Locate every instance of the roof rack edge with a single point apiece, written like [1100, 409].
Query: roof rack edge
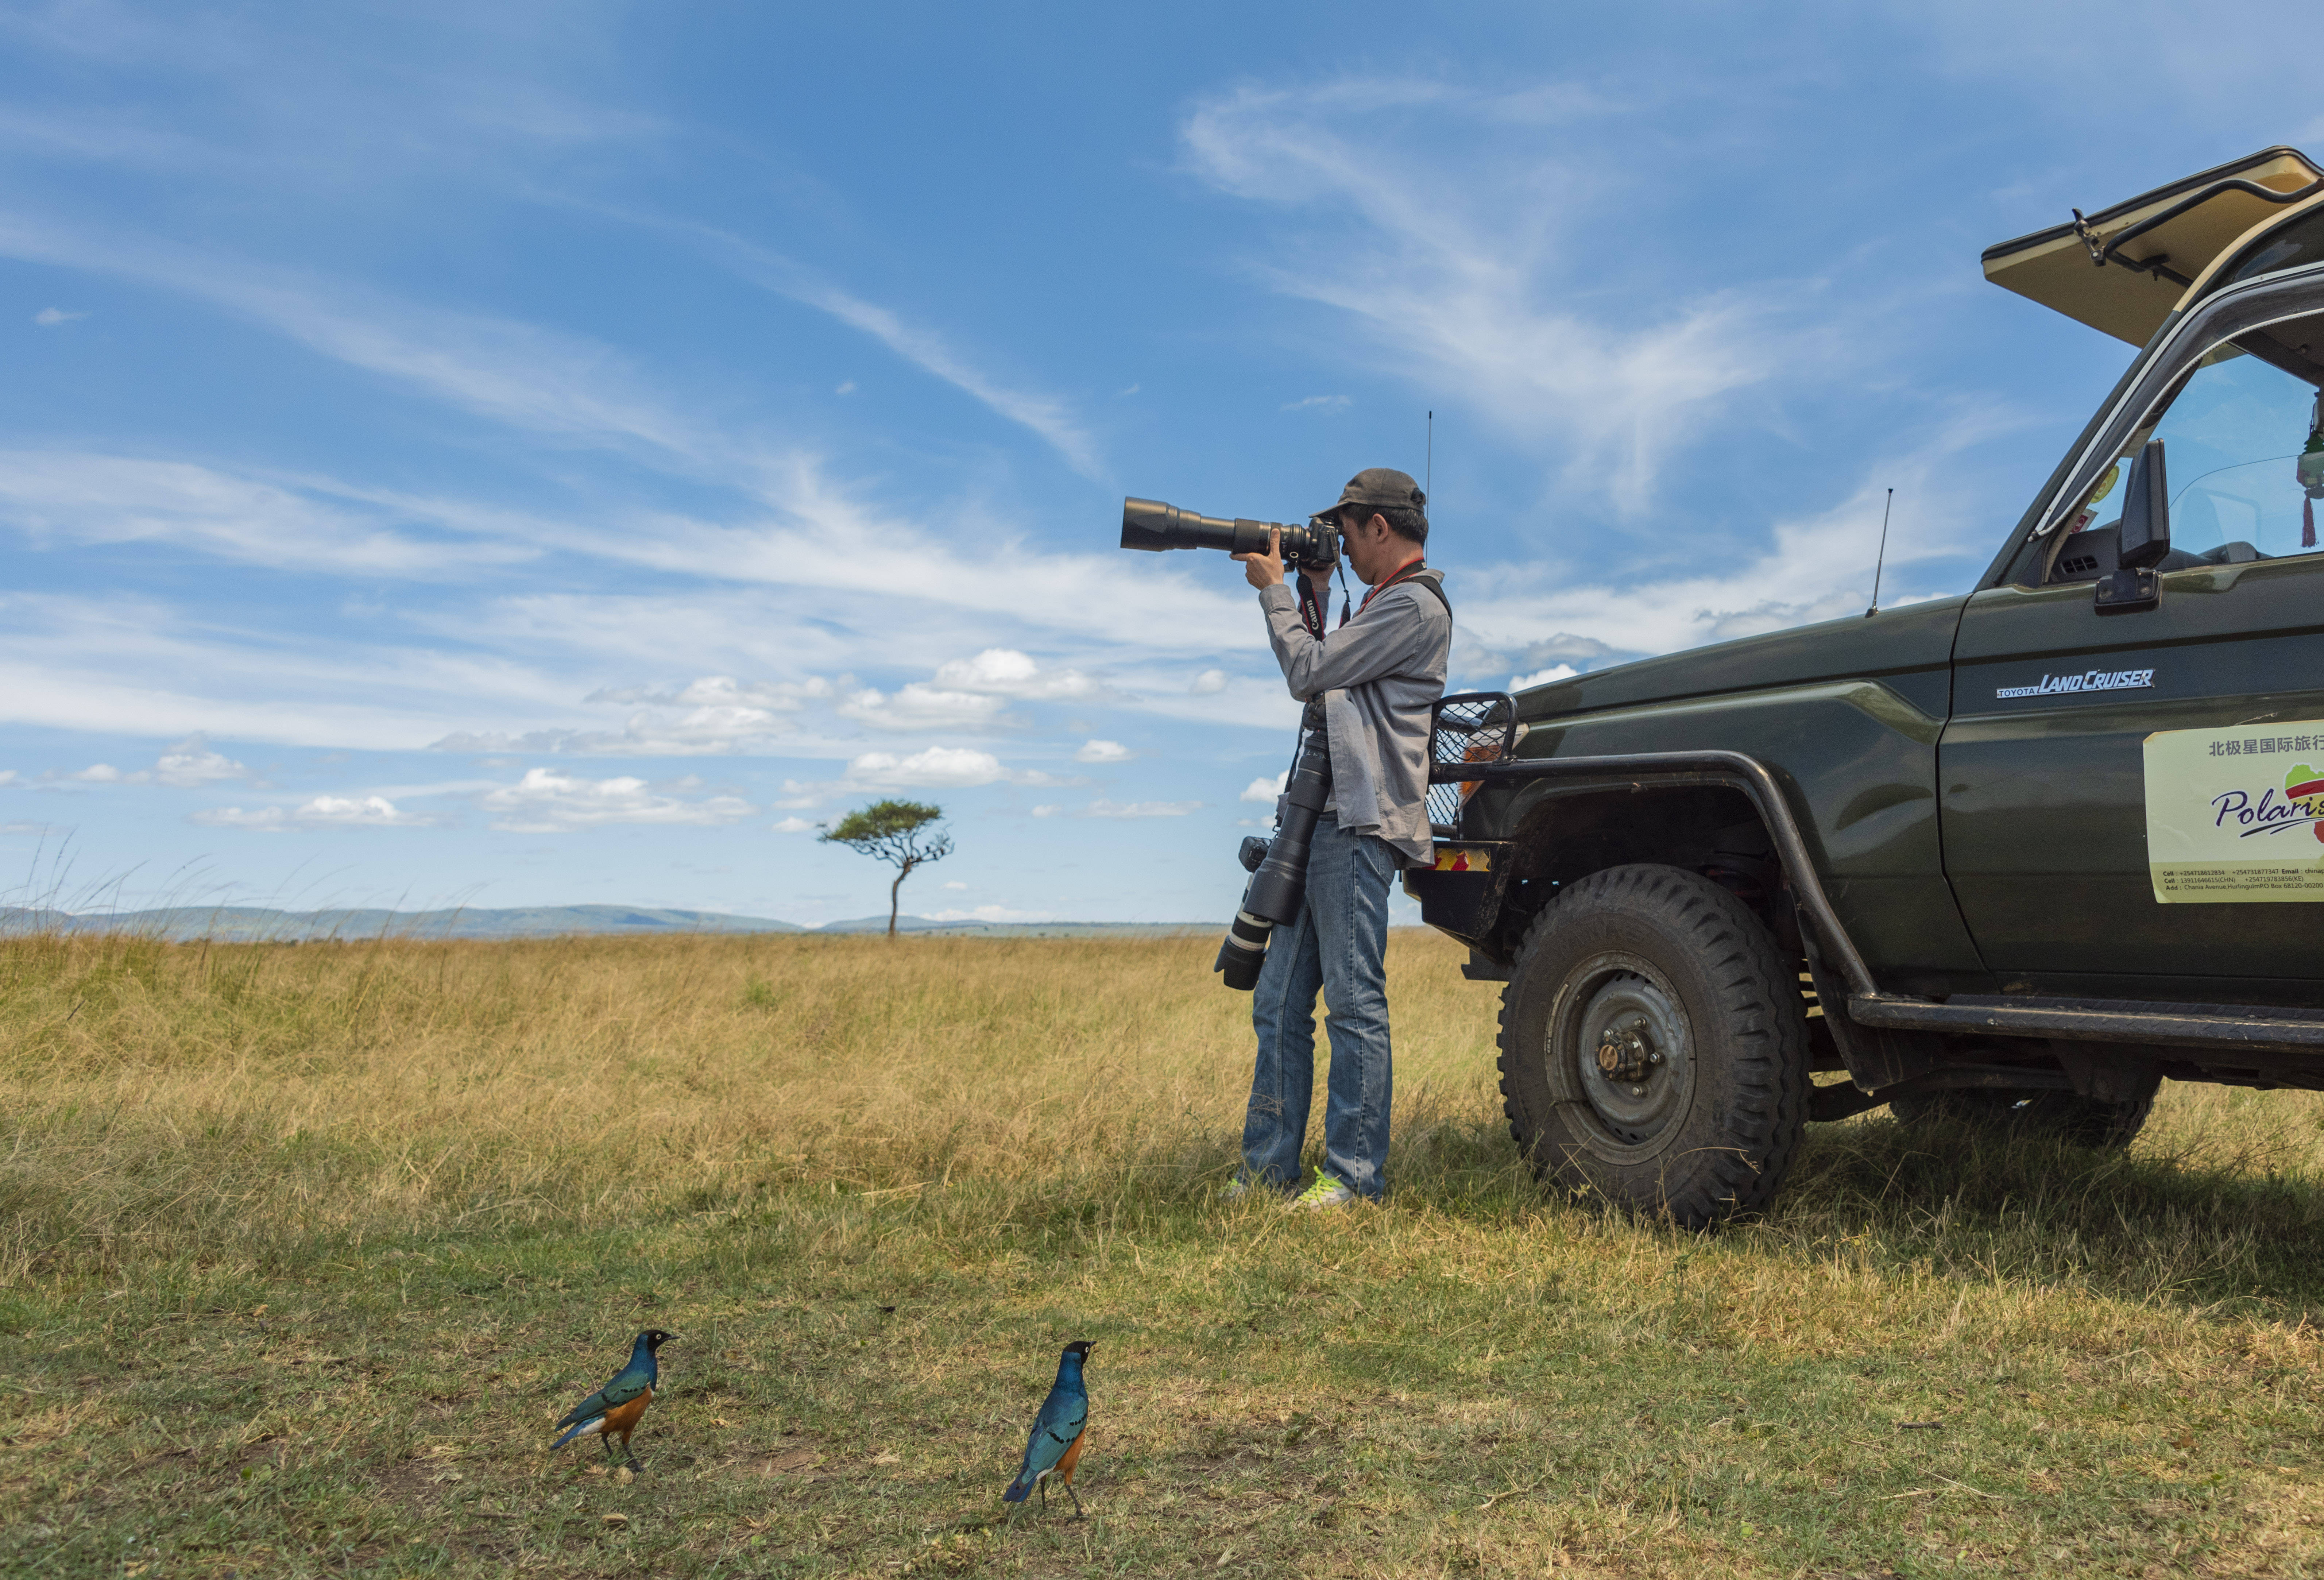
[2180, 187]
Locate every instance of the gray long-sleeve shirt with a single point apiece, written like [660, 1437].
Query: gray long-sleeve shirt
[1379, 677]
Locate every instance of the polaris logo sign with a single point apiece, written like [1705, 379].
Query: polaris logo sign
[2088, 680]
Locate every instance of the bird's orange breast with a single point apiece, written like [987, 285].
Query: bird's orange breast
[1072, 1456]
[622, 1418]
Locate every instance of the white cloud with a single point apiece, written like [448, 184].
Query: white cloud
[321, 812]
[724, 691]
[957, 886]
[937, 768]
[795, 826]
[918, 707]
[545, 801]
[1543, 677]
[848, 388]
[991, 913]
[8, 776]
[1209, 682]
[721, 715]
[1006, 672]
[1318, 403]
[48, 318]
[191, 762]
[186, 765]
[1048, 810]
[1103, 809]
[1264, 790]
[1096, 751]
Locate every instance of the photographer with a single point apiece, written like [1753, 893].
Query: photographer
[1374, 681]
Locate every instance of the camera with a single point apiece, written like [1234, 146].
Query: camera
[1152, 525]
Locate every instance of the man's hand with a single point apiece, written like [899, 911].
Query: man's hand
[1265, 571]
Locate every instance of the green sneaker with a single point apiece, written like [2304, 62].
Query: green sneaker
[1326, 1192]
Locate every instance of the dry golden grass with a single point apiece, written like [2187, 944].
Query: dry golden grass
[301, 1247]
[195, 1097]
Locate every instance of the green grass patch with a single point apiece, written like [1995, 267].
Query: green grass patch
[297, 1295]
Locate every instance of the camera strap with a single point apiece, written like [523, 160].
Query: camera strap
[1409, 573]
[1311, 611]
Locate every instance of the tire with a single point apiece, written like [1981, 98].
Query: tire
[2087, 1121]
[1699, 1116]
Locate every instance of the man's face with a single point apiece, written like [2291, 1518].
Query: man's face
[1373, 549]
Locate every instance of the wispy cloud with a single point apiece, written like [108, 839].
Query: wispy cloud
[1105, 808]
[60, 497]
[48, 318]
[515, 373]
[1050, 417]
[1813, 567]
[1465, 274]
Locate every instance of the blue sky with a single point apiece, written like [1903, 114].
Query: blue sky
[529, 454]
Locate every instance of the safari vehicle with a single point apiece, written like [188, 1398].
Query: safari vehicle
[2016, 856]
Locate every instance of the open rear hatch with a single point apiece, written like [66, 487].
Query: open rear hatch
[2122, 269]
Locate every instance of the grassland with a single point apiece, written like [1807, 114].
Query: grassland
[301, 1250]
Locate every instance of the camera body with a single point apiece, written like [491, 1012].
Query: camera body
[1150, 524]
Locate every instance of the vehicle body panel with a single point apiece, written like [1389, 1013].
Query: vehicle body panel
[2044, 805]
[1850, 712]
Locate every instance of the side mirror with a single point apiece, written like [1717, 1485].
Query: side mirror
[2145, 535]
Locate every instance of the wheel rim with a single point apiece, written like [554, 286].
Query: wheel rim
[1621, 1041]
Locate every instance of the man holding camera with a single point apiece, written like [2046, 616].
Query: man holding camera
[1371, 686]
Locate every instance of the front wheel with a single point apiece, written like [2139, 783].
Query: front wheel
[1653, 1050]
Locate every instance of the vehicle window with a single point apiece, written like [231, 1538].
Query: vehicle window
[2243, 450]
[2295, 246]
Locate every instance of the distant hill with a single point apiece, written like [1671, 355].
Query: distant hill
[1019, 930]
[250, 923]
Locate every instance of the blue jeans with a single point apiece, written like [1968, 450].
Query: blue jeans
[1338, 945]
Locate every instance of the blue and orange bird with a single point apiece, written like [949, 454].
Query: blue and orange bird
[1058, 1432]
[612, 1411]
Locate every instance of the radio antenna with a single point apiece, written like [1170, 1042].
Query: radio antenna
[1428, 487]
[1879, 563]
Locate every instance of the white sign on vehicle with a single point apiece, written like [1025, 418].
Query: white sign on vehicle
[2237, 815]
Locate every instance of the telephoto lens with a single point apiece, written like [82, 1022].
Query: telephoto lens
[1278, 882]
[1151, 525]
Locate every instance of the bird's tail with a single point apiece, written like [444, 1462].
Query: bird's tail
[591, 1424]
[1020, 1488]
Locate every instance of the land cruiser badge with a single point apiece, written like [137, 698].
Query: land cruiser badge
[2088, 680]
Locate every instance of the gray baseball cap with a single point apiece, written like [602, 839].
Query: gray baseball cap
[1380, 485]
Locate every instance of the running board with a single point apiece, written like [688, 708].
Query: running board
[2230, 1027]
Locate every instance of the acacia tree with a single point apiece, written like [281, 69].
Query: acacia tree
[897, 832]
